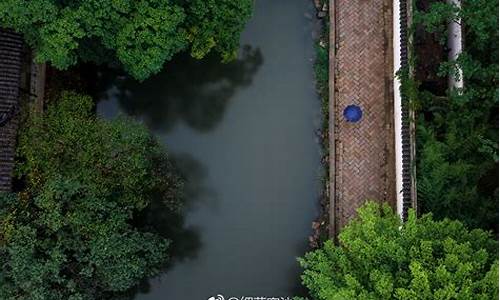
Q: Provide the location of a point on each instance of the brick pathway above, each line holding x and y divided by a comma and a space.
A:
363, 158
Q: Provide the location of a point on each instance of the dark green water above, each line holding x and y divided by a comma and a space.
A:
244, 136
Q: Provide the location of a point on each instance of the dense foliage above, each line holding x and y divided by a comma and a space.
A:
139, 35
71, 234
457, 133
379, 257
118, 158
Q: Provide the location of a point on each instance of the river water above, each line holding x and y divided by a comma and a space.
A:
243, 134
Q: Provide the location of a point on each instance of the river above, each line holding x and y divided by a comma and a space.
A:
243, 134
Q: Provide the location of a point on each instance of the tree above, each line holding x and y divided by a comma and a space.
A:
216, 24
72, 234
379, 257
457, 134
139, 35
66, 243
119, 158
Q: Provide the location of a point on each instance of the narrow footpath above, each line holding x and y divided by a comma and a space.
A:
361, 71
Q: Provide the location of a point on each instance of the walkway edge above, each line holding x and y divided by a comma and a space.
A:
403, 113
331, 115
397, 108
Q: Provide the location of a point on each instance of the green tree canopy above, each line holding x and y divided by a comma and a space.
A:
119, 158
139, 35
71, 234
457, 133
379, 257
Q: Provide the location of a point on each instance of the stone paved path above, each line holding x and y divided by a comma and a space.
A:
362, 160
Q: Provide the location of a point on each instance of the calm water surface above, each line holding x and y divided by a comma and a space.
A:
244, 136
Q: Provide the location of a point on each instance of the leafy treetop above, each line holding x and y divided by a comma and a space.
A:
72, 233
379, 257
118, 158
457, 134
139, 35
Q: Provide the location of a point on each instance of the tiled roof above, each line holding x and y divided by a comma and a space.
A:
11, 54
405, 110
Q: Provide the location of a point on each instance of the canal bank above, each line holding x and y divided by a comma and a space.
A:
244, 135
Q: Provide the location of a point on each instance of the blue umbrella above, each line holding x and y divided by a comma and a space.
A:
353, 113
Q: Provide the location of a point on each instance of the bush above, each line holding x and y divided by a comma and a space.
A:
379, 257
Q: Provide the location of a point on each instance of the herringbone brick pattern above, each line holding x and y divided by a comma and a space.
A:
364, 159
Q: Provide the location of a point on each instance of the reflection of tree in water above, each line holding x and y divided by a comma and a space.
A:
185, 240
195, 91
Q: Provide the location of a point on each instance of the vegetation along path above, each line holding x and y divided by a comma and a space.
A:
362, 153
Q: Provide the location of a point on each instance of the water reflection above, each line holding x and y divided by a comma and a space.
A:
185, 240
171, 225
195, 91
195, 189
